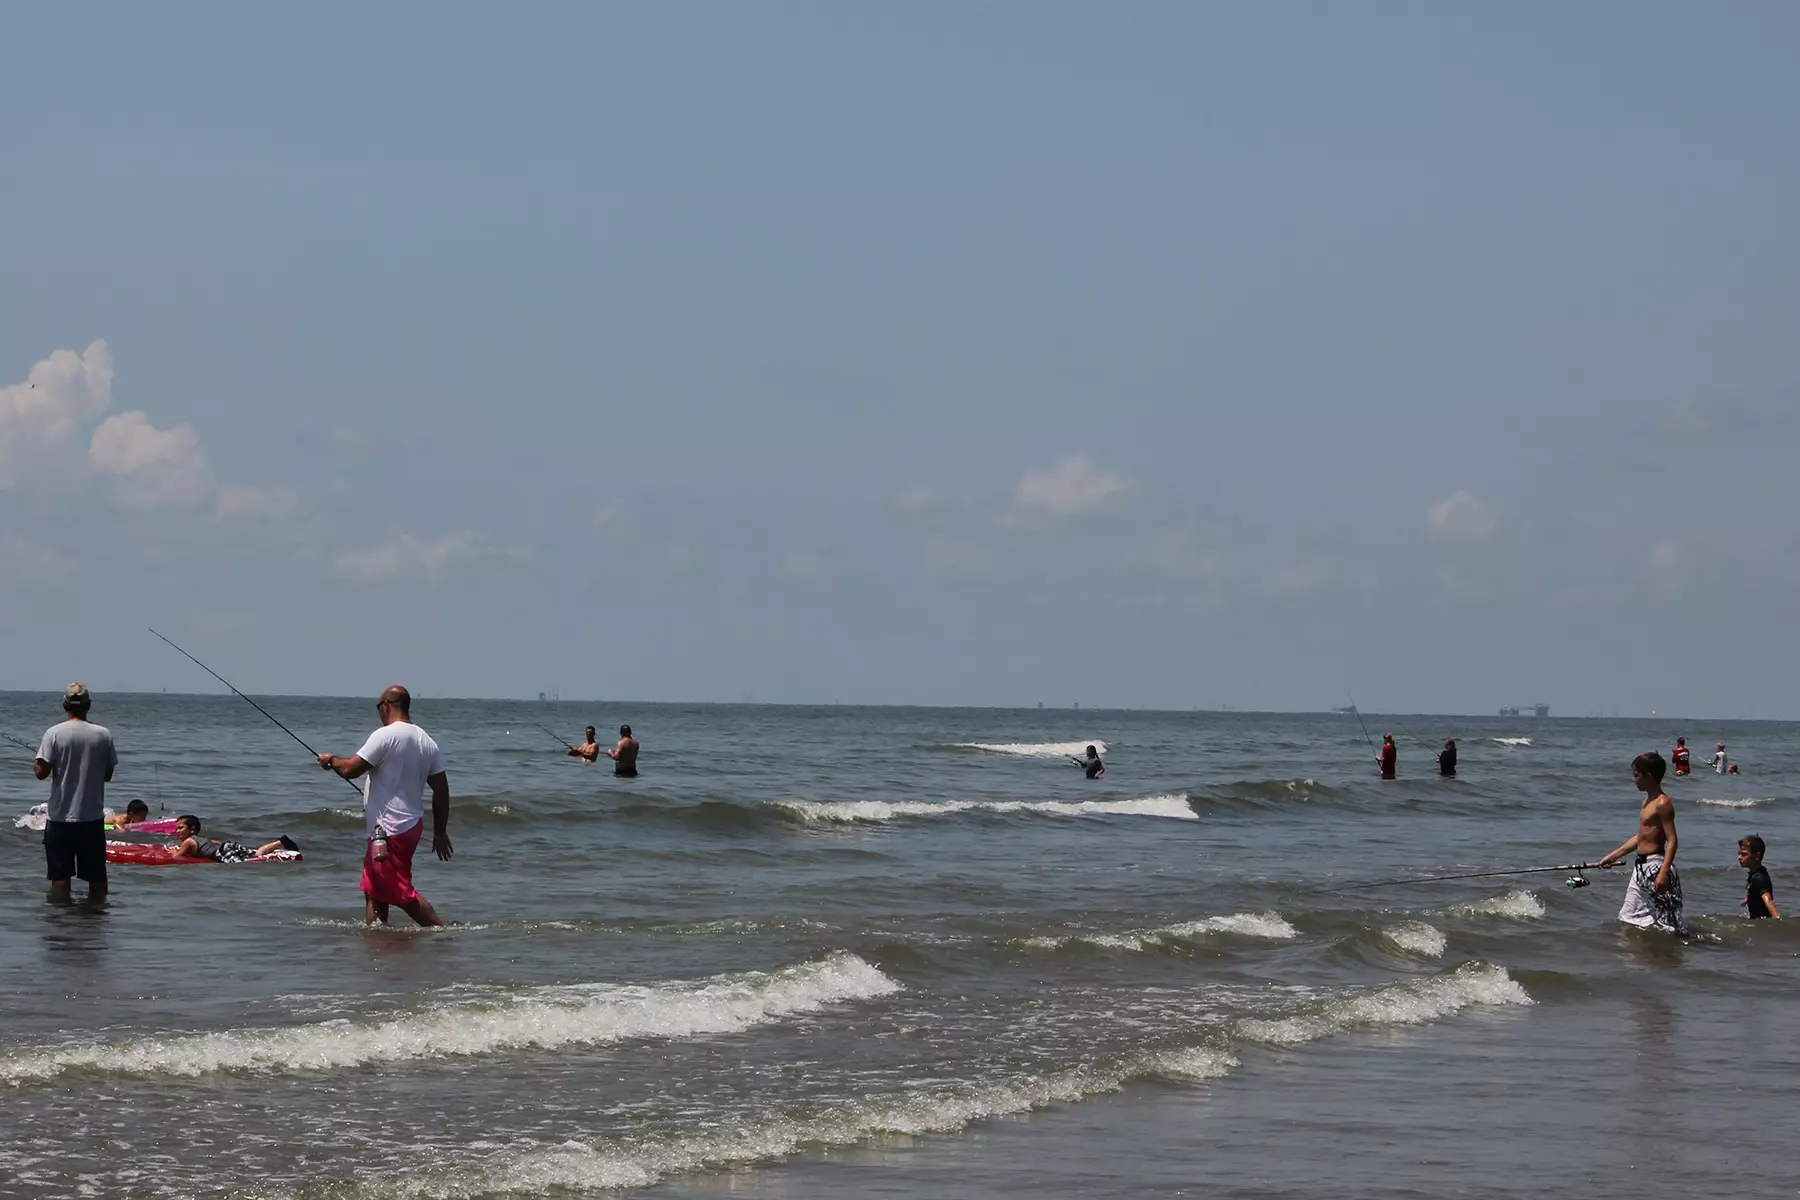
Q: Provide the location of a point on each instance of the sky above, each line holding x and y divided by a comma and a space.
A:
1166, 355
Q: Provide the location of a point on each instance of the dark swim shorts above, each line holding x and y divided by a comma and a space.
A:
75, 849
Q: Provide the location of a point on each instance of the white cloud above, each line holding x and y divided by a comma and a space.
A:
1073, 485
609, 514
156, 468
1461, 516
405, 555
1665, 555
60, 395
918, 499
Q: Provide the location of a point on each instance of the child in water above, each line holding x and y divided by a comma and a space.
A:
192, 845
1759, 891
136, 813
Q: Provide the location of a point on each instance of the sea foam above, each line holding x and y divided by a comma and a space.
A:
1412, 1003
575, 1166
1038, 749
1734, 801
1266, 925
1416, 937
1511, 741
537, 1018
839, 812
1518, 904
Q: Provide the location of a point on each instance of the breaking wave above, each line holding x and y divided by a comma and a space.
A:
839, 812
535, 1018
1038, 749
1268, 925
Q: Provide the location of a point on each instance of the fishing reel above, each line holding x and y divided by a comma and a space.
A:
1577, 880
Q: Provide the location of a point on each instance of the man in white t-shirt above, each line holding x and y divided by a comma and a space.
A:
401, 761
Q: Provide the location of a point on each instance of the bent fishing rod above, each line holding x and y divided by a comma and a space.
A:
546, 729
253, 704
21, 743
1576, 867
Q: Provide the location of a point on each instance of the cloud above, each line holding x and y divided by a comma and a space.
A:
156, 468
23, 561
1665, 555
1074, 485
918, 499
609, 514
60, 395
1462, 517
404, 555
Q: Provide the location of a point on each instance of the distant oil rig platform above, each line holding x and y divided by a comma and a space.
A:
1519, 710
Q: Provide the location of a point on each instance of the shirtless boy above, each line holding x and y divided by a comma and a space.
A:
1653, 897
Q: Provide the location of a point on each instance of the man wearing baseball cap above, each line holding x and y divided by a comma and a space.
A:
78, 759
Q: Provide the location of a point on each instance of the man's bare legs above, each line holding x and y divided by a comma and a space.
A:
60, 892
420, 910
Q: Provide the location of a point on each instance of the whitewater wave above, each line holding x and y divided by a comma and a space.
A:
1038, 749
1416, 937
1734, 801
1413, 1003
839, 812
537, 1018
1516, 904
1511, 741
1268, 925
533, 1169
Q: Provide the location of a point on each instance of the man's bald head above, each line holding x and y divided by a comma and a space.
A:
400, 698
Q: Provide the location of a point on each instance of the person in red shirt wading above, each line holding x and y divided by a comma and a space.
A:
1390, 756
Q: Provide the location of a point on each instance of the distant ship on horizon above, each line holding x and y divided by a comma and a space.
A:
1345, 710
1536, 710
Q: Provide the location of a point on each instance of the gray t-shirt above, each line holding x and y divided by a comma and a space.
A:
81, 756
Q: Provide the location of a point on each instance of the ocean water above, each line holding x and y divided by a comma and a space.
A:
818, 952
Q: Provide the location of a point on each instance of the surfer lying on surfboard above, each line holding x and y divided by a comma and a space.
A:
192, 845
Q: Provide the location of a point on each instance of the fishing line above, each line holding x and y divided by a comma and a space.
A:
253, 704
19, 742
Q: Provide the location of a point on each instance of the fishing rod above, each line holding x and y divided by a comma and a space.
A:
1576, 867
546, 729
21, 743
1365, 728
253, 704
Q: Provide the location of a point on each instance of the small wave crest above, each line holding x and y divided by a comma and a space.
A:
1416, 937
640, 1162
1037, 749
539, 1017
1269, 925
1520, 905
1511, 741
1734, 801
1414, 1003
839, 812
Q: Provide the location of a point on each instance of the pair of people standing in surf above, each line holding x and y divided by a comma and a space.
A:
624, 755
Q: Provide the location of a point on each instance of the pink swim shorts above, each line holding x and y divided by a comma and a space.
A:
389, 880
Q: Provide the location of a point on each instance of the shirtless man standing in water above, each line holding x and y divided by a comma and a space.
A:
624, 755
1653, 897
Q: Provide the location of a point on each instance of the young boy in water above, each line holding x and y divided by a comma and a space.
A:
192, 845
1653, 897
1759, 891
136, 813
